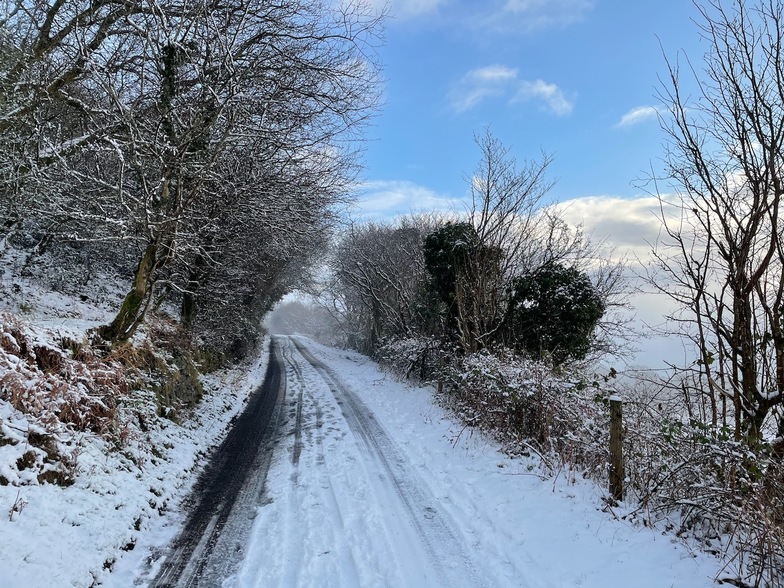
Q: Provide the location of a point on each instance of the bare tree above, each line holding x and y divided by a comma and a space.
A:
287, 82
722, 257
517, 232
262, 245
47, 52
148, 123
505, 201
381, 281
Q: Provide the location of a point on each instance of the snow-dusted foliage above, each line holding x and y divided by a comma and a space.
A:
524, 403
419, 357
682, 477
701, 483
520, 401
200, 141
470, 278
59, 385
78, 393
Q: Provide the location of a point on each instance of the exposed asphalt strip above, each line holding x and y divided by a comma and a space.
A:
211, 543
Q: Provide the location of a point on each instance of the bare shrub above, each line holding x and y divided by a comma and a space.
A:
419, 357
699, 481
170, 336
40, 381
12, 341
519, 401
528, 406
48, 359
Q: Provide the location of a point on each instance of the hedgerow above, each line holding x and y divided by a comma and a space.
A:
682, 477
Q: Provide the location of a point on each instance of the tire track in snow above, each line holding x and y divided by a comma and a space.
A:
295, 557
446, 552
224, 499
297, 449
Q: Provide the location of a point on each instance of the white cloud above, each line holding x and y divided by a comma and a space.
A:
481, 83
631, 227
534, 15
494, 81
493, 74
550, 94
637, 115
408, 8
390, 198
628, 223
493, 16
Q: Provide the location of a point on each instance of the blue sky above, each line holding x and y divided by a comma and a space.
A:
575, 78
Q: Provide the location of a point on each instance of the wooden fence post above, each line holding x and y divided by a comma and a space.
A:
616, 448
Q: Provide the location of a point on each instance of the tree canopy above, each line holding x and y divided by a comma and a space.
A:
554, 311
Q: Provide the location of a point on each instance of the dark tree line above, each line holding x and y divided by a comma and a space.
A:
508, 272
204, 143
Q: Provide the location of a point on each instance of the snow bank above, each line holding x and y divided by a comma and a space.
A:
124, 498
90, 477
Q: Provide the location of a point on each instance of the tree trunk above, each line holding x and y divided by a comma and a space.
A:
133, 307
188, 307
197, 275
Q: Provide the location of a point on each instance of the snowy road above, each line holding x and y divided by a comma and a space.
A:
223, 503
356, 512
363, 482
353, 511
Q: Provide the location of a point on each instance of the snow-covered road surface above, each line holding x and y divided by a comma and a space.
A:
356, 480
383, 526
373, 485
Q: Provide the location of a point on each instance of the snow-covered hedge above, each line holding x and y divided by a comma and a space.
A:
521, 402
702, 484
527, 406
413, 356
682, 477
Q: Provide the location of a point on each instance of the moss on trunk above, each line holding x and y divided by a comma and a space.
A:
134, 304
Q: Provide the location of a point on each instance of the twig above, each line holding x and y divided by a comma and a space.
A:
17, 506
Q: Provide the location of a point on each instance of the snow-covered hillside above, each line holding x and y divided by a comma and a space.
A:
89, 473
371, 483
